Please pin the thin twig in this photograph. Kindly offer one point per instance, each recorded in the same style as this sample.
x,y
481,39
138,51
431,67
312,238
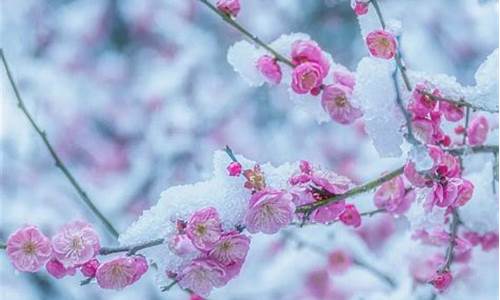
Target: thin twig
x,y
376,272
321,251
131,249
86,281
355,191
169,286
453,235
397,57
58,162
230,153
466,126
460,102
228,19
473,149
410,137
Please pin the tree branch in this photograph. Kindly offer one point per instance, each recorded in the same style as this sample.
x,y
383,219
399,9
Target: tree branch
x,y
58,162
228,19
353,192
460,102
453,235
321,251
131,249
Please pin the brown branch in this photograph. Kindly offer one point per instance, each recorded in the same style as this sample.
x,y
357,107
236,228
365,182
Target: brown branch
x,y
321,251
228,19
131,249
353,192
460,102
453,235
58,162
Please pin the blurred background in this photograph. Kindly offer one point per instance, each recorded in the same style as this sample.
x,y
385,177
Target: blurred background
x,y
136,95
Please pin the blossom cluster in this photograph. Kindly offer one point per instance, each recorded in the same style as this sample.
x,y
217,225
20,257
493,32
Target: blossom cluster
x,y
74,247
217,255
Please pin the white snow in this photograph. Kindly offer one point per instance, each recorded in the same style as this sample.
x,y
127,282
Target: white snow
x,y
375,93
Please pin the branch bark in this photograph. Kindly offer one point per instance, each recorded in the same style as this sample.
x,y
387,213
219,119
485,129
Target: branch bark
x,y
58,162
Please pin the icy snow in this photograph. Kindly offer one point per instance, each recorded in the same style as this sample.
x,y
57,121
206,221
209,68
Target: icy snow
x,y
481,212
375,93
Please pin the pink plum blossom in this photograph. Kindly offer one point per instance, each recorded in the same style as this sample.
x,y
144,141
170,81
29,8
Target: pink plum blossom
x,y
269,210
451,112
381,44
255,179
473,237
230,7
426,130
335,100
75,243
478,131
306,77
121,272
339,261
442,238
231,248
268,66
328,213
28,249
201,276
441,280
344,78
312,184
423,268
204,228
489,241
89,268
350,216
360,7
393,197
421,104
57,269
465,191
234,168
181,245
304,51
413,176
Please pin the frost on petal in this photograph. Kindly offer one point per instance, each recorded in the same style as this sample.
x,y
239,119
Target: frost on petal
x,y
243,57
375,94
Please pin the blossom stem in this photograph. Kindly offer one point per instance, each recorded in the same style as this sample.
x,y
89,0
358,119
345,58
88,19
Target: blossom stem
x,y
58,162
230,153
466,126
474,149
131,249
399,101
376,272
355,191
169,286
397,57
228,19
460,102
453,234
377,182
87,281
